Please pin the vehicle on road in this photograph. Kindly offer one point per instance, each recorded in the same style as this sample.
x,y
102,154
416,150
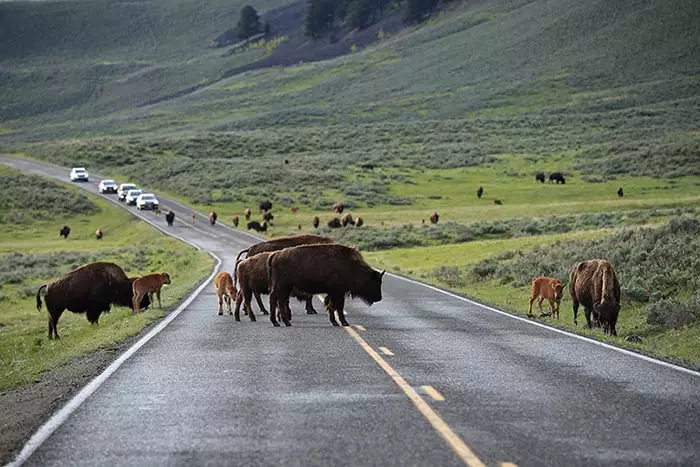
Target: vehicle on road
x,y
131,196
147,201
79,174
124,189
107,186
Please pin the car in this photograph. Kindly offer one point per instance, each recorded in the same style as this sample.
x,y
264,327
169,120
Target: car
x,y
123,189
107,186
131,196
79,174
147,201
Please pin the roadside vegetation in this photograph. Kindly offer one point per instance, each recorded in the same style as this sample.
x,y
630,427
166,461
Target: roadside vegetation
x,y
32,254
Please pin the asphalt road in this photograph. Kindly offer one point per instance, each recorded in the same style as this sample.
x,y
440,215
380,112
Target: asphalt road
x,y
208,390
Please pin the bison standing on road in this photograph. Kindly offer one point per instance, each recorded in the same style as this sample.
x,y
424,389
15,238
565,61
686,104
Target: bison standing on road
x,y
333,269
225,292
64,232
594,285
557,177
90,289
170,218
549,288
212,217
539,177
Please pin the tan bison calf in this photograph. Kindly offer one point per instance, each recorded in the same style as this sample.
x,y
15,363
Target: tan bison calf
x,y
333,269
546,287
149,284
594,285
225,292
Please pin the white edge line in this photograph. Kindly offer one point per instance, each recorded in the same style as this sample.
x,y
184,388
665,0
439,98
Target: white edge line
x,y
560,331
57,419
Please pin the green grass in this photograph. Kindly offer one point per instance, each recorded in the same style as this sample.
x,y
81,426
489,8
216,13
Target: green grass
x,y
33,254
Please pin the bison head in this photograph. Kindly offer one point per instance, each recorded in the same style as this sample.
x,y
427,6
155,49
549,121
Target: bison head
x,y
558,290
372,289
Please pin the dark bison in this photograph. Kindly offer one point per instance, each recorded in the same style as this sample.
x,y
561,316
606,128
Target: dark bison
x,y
539,177
359,221
267,216
275,245
434,217
334,223
347,219
479,191
89,289
593,284
498,201
212,217
234,220
620,194
315,222
265,206
338,208
64,232
333,269
99,234
557,177
257,226
170,218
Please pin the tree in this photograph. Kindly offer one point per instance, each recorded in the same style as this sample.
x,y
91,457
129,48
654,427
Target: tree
x,y
319,17
249,23
359,14
416,9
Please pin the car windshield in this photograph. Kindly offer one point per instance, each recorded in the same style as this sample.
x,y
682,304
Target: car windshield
x,y
148,197
80,171
128,187
108,182
134,192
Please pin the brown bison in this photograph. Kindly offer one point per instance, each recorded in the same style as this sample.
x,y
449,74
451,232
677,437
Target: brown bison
x,y
148,285
347,219
212,217
315,222
333,269
89,289
99,234
359,221
64,232
334,223
338,208
225,292
479,191
257,226
549,288
293,210
275,245
247,214
594,285
620,193
539,177
234,221
434,217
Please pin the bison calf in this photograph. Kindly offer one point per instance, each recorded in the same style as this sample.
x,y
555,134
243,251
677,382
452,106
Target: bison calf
x,y
225,292
149,284
594,285
549,288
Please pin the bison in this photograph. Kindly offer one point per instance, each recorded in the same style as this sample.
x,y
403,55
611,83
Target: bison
x,y
212,217
539,177
225,292
434,217
338,208
498,201
620,194
234,221
64,232
265,206
257,226
594,285
557,177
334,223
267,216
90,289
315,221
333,269
549,288
359,221
148,285
347,219
293,210
170,218
479,191
99,234
247,214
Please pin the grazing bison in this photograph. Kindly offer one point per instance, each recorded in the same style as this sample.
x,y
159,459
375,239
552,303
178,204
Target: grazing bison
x,y
594,285
257,226
170,218
265,206
278,244
98,234
315,222
148,285
557,177
620,194
212,217
334,223
225,292
89,289
247,214
498,201
338,208
434,217
64,232
234,220
479,191
549,288
267,216
359,221
347,219
539,177
333,269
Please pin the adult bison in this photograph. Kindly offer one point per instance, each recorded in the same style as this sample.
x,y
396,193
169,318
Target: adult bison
x,y
275,245
265,206
64,232
90,289
315,222
557,177
620,193
347,219
594,285
334,223
479,191
170,218
434,217
539,177
333,269
257,226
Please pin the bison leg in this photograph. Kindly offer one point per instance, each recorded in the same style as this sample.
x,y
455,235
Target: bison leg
x,y
237,312
157,295
53,323
310,306
227,299
219,304
273,308
260,304
575,306
285,312
529,310
135,306
587,312
339,302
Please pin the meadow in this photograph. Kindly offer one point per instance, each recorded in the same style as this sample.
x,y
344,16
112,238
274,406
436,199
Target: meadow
x,y
32,254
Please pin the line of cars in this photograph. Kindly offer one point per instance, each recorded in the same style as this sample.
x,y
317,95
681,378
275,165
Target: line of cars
x,y
127,193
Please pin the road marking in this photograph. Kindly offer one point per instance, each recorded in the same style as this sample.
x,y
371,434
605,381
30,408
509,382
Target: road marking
x,y
432,392
456,443
386,351
360,327
507,464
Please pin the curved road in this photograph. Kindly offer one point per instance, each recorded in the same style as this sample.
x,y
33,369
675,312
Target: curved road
x,y
421,378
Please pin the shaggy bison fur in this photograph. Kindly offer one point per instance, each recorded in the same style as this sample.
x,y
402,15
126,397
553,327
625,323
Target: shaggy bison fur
x,y
333,269
594,285
620,193
89,289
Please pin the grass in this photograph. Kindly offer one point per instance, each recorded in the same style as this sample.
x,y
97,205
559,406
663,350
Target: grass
x,y
32,254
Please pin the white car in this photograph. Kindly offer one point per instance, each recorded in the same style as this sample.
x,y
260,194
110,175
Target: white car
x,y
131,196
124,189
107,186
147,201
79,174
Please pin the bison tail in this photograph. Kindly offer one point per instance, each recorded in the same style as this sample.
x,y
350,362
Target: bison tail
x,y
238,260
604,291
38,297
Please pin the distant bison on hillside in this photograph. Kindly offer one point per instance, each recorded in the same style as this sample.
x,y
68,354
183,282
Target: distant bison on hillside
x,y
539,177
265,206
479,191
620,193
64,232
557,177
315,221
434,217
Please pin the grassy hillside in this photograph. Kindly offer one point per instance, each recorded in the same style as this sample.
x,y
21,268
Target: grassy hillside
x,y
32,254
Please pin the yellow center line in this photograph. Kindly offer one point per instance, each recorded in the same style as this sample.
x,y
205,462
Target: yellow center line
x,y
386,351
456,443
360,327
507,464
432,392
